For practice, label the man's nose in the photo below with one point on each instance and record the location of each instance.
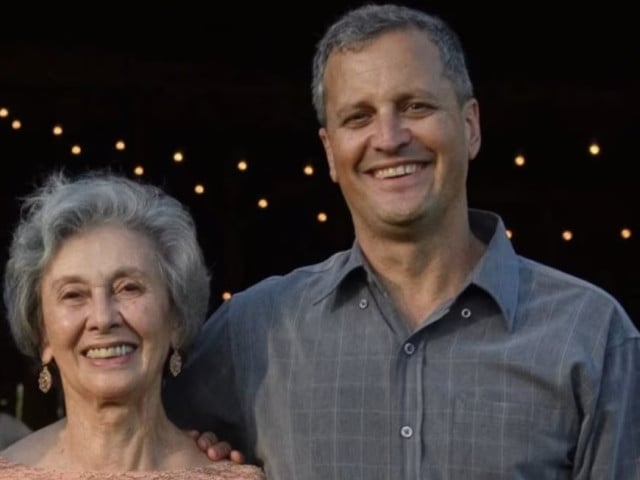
(391, 132)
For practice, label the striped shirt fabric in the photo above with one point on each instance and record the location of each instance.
(528, 373)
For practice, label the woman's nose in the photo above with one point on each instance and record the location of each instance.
(103, 314)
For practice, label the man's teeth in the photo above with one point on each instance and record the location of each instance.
(108, 352)
(396, 171)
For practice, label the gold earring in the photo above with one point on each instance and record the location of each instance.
(44, 379)
(175, 363)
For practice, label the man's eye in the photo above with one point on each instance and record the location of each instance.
(356, 119)
(418, 107)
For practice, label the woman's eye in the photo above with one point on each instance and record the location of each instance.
(70, 295)
(129, 287)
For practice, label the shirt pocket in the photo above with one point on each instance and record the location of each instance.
(505, 438)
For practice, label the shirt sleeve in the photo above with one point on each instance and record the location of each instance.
(204, 395)
(609, 443)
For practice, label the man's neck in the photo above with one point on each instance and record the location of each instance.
(422, 275)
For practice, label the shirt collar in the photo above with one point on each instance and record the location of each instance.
(496, 273)
(338, 267)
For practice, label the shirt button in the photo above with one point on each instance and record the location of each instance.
(363, 303)
(406, 432)
(409, 348)
(466, 313)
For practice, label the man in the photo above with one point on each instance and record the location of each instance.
(430, 349)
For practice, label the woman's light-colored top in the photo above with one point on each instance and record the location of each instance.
(225, 470)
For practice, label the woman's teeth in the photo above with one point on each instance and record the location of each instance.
(108, 352)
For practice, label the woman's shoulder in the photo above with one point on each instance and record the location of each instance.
(11, 430)
(225, 470)
(33, 446)
(215, 471)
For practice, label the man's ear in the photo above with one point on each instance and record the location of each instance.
(326, 143)
(471, 116)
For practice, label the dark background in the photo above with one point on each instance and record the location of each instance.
(224, 82)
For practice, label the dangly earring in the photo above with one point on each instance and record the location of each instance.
(175, 363)
(44, 379)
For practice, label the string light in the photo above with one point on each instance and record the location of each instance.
(226, 296)
(308, 169)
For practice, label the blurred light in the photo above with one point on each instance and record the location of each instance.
(76, 150)
(120, 145)
(16, 124)
(594, 149)
(226, 296)
(138, 170)
(4, 112)
(567, 235)
(262, 203)
(509, 233)
(308, 170)
(199, 189)
(322, 217)
(625, 233)
(57, 130)
(178, 157)
(243, 165)
(519, 161)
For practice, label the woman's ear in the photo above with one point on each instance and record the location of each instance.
(46, 353)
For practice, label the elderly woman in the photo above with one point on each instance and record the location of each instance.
(105, 287)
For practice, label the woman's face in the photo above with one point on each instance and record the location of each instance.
(107, 316)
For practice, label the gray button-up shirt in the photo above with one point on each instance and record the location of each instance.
(528, 373)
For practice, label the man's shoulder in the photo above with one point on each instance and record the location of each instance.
(549, 277)
(539, 281)
(309, 278)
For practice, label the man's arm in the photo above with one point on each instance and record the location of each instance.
(610, 446)
(203, 397)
